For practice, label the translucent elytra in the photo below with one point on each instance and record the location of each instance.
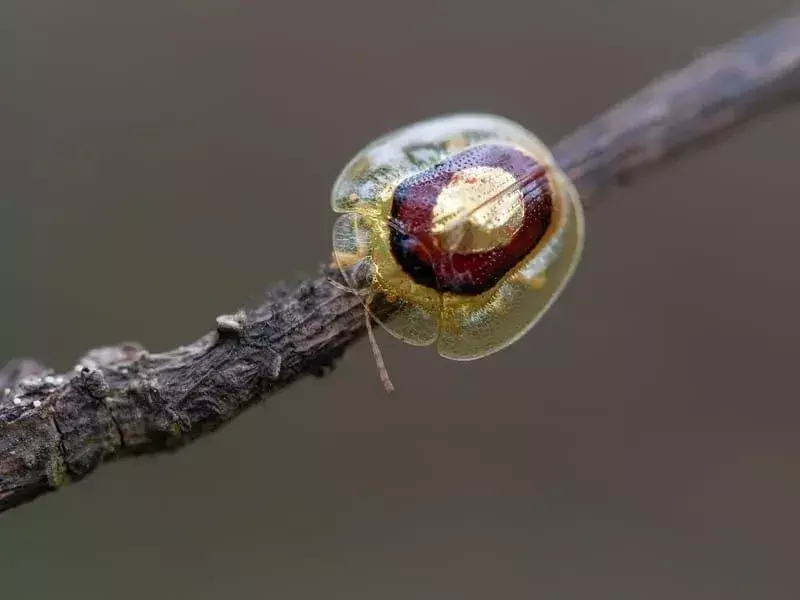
(464, 224)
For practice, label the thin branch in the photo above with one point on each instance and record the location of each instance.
(744, 79)
(122, 401)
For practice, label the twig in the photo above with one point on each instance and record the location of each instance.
(123, 401)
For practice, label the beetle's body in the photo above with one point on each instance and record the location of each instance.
(466, 224)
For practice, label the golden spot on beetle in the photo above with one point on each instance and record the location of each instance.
(470, 217)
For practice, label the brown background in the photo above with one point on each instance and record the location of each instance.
(163, 161)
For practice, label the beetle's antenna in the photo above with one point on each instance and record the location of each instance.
(383, 373)
(376, 352)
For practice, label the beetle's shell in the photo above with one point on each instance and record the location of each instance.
(476, 275)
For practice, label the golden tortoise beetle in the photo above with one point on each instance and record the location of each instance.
(464, 224)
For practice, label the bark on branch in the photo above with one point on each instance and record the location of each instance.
(121, 400)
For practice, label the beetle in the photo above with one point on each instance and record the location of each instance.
(464, 224)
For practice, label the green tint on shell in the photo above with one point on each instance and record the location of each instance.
(462, 327)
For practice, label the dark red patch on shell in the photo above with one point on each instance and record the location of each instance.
(417, 250)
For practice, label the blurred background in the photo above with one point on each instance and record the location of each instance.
(164, 161)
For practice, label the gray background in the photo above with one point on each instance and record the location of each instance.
(162, 162)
